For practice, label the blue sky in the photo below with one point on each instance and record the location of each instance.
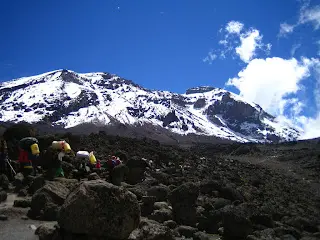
(176, 44)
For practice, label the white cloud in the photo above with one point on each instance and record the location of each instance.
(267, 82)
(238, 42)
(210, 58)
(311, 15)
(294, 48)
(318, 42)
(234, 27)
(250, 41)
(307, 14)
(273, 84)
(285, 29)
(311, 127)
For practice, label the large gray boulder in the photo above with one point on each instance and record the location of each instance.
(183, 201)
(47, 200)
(101, 209)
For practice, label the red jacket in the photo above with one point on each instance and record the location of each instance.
(23, 157)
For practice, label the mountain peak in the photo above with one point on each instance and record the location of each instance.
(200, 89)
(68, 99)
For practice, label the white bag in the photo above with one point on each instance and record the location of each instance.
(83, 154)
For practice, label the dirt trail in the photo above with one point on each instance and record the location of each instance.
(16, 228)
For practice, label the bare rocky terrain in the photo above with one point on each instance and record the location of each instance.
(203, 191)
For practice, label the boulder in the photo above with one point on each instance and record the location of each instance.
(37, 183)
(3, 196)
(151, 230)
(101, 209)
(231, 193)
(48, 231)
(3, 217)
(209, 187)
(68, 183)
(136, 170)
(235, 223)
(183, 201)
(221, 202)
(160, 192)
(51, 194)
(4, 182)
(93, 176)
(147, 205)
(118, 174)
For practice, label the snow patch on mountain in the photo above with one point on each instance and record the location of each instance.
(67, 99)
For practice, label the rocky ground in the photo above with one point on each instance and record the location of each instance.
(221, 191)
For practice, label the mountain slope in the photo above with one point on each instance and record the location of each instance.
(65, 98)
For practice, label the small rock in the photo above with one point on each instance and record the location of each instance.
(3, 196)
(3, 217)
(288, 237)
(205, 236)
(93, 176)
(263, 219)
(170, 224)
(186, 231)
(161, 215)
(23, 193)
(151, 230)
(22, 203)
(48, 231)
(24, 218)
(4, 181)
(161, 205)
(33, 227)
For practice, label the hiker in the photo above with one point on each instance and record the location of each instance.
(3, 156)
(53, 157)
(28, 152)
(111, 164)
(86, 159)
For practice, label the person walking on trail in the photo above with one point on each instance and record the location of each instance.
(53, 158)
(28, 152)
(111, 164)
(3, 156)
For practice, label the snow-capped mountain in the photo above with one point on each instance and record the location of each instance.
(66, 98)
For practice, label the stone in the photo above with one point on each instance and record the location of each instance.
(106, 210)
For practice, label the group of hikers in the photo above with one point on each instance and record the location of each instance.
(50, 162)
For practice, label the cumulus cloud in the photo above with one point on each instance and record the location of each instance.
(311, 127)
(237, 41)
(267, 82)
(250, 41)
(273, 83)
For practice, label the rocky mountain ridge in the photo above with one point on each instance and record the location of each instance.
(67, 99)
